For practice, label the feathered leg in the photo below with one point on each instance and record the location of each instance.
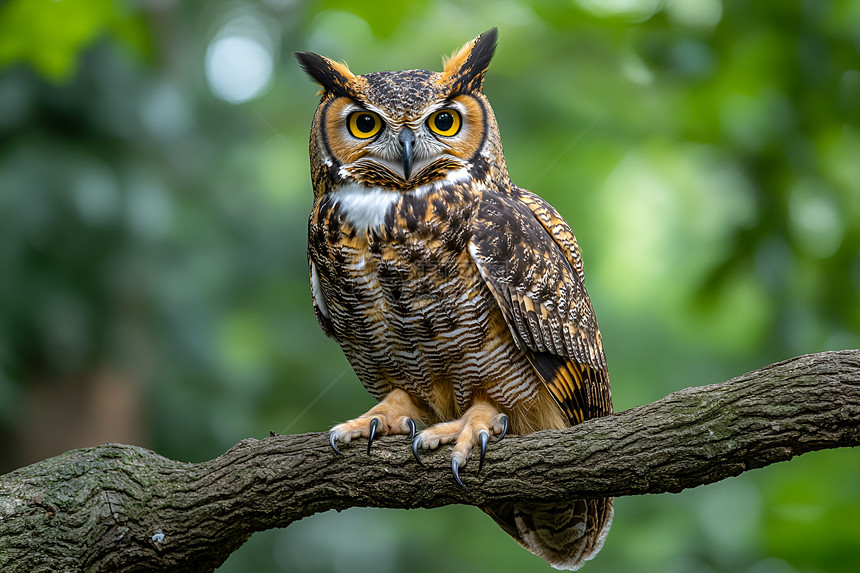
(481, 421)
(395, 414)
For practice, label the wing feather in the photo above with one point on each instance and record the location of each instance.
(320, 308)
(529, 259)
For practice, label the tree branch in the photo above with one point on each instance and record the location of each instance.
(124, 508)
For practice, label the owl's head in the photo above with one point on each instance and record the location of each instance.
(402, 130)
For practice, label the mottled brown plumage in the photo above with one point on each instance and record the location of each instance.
(457, 296)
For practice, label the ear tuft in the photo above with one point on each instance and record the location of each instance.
(465, 68)
(334, 77)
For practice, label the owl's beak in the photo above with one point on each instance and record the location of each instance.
(407, 139)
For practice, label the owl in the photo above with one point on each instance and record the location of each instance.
(457, 296)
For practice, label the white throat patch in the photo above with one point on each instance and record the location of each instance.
(364, 207)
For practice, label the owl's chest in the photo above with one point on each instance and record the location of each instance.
(391, 259)
(408, 305)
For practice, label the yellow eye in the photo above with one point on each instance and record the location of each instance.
(364, 124)
(445, 122)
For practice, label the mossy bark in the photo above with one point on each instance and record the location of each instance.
(125, 508)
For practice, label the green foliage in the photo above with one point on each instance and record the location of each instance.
(50, 34)
(704, 152)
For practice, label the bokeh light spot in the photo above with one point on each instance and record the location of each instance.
(815, 221)
(634, 10)
(238, 68)
(695, 12)
(240, 60)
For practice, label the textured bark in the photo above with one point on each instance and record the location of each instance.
(124, 508)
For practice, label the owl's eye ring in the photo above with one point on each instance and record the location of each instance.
(363, 124)
(445, 122)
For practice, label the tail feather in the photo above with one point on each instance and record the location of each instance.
(564, 535)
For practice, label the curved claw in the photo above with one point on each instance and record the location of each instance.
(484, 437)
(333, 442)
(415, 451)
(374, 424)
(411, 423)
(504, 420)
(455, 468)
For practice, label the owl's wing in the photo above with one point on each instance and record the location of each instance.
(320, 308)
(529, 259)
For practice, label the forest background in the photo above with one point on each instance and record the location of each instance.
(154, 193)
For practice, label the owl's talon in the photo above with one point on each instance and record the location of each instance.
(455, 468)
(333, 441)
(411, 423)
(415, 450)
(504, 420)
(484, 436)
(374, 424)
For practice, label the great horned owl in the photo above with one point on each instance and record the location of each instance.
(457, 296)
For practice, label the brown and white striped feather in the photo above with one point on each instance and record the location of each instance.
(406, 302)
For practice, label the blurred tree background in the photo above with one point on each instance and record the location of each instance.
(154, 192)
